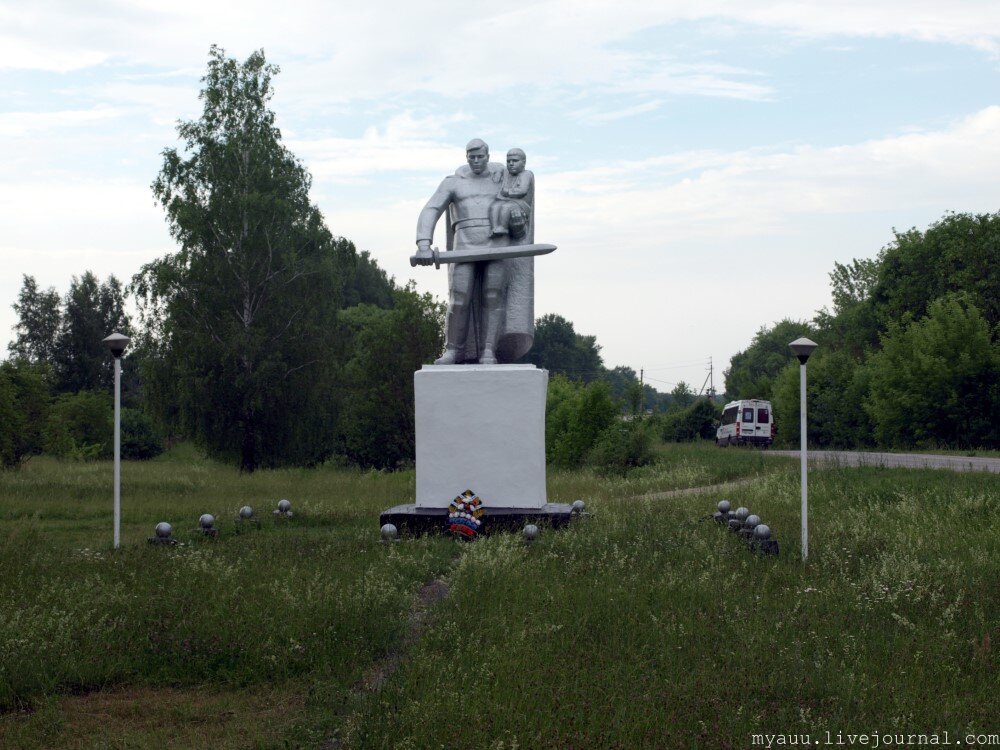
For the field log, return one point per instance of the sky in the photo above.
(700, 166)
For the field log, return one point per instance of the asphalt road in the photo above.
(893, 460)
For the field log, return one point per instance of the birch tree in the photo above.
(241, 320)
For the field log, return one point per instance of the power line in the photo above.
(679, 365)
(657, 380)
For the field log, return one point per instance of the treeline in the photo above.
(559, 349)
(909, 356)
(264, 338)
(607, 418)
(55, 388)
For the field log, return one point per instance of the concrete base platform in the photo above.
(480, 428)
(417, 520)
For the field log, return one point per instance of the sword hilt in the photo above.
(437, 258)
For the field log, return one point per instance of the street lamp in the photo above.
(116, 344)
(802, 348)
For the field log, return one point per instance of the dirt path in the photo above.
(429, 595)
(378, 674)
(724, 487)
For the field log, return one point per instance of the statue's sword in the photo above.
(475, 254)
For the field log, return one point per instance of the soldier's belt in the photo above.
(468, 223)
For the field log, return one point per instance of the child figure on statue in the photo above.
(515, 187)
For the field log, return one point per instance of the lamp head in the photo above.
(802, 348)
(117, 343)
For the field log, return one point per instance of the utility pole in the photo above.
(642, 392)
(708, 381)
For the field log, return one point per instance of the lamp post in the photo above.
(116, 344)
(802, 348)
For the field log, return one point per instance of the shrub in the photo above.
(936, 381)
(622, 446)
(141, 440)
(80, 426)
(576, 416)
(11, 424)
(696, 421)
(24, 406)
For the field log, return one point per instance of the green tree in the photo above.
(622, 446)
(11, 424)
(619, 379)
(699, 420)
(681, 397)
(559, 349)
(386, 346)
(853, 283)
(31, 401)
(141, 439)
(626, 387)
(857, 397)
(576, 415)
(751, 372)
(91, 310)
(960, 253)
(81, 426)
(39, 318)
(243, 318)
(634, 398)
(853, 326)
(837, 386)
(937, 381)
(362, 281)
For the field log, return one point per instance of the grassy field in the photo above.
(641, 626)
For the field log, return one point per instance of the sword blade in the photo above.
(471, 254)
(477, 254)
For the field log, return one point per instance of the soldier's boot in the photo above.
(448, 357)
(454, 335)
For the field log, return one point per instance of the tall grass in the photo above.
(644, 625)
(313, 595)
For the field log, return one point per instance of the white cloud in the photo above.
(34, 53)
(654, 231)
(345, 54)
(347, 51)
(161, 103)
(55, 229)
(761, 191)
(653, 239)
(88, 216)
(405, 144)
(604, 115)
(973, 22)
(19, 124)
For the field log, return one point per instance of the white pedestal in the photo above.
(481, 427)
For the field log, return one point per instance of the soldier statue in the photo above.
(490, 236)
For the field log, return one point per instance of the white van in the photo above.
(747, 422)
